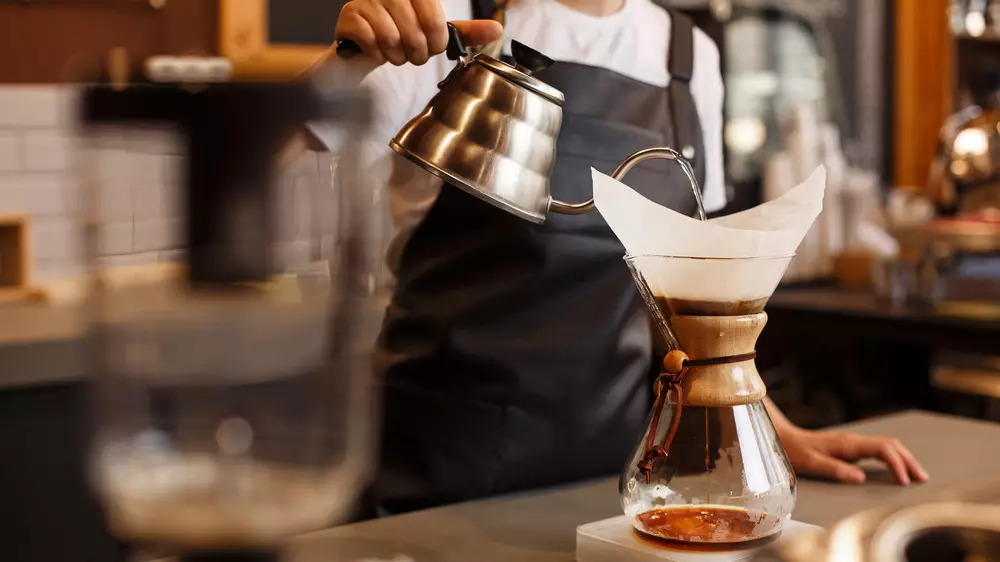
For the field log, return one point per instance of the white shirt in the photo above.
(633, 41)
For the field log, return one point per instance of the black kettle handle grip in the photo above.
(348, 49)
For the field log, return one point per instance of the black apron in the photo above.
(517, 355)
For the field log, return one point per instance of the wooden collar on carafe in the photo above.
(675, 365)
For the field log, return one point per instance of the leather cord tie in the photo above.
(675, 365)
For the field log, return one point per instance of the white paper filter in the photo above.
(773, 229)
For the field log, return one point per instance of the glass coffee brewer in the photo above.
(709, 467)
(233, 398)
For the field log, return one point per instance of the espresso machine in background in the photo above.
(232, 396)
(957, 253)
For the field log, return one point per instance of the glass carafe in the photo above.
(233, 383)
(709, 468)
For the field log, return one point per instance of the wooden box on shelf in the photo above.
(15, 258)
(853, 269)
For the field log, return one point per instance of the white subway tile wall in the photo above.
(27, 107)
(46, 151)
(139, 204)
(10, 150)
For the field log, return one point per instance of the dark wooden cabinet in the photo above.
(49, 41)
(276, 39)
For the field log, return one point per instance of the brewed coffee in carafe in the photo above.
(709, 467)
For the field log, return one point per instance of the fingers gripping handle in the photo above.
(347, 49)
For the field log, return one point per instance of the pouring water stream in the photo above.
(663, 152)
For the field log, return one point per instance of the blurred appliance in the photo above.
(954, 260)
(232, 391)
(978, 19)
(949, 260)
(958, 252)
(968, 158)
(970, 153)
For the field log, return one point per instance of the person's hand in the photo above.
(829, 454)
(401, 31)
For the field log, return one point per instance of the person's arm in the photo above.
(403, 32)
(295, 147)
(829, 454)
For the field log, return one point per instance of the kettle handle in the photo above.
(666, 152)
(347, 49)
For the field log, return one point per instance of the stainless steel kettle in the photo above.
(491, 131)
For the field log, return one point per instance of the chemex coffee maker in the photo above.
(709, 467)
(232, 376)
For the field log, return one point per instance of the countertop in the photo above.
(44, 343)
(960, 455)
(41, 344)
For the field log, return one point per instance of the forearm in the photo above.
(295, 147)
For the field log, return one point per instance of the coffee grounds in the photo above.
(710, 308)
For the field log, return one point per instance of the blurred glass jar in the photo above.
(233, 313)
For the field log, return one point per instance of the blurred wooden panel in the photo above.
(258, 49)
(51, 42)
(924, 86)
(303, 22)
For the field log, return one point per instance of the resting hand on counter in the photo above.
(830, 454)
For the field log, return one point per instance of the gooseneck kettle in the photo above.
(491, 131)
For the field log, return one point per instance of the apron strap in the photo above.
(483, 9)
(681, 60)
(490, 10)
(685, 126)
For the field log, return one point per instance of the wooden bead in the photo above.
(673, 362)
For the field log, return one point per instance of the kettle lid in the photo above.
(526, 62)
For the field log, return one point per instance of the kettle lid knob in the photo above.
(527, 59)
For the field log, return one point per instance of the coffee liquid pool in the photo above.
(715, 524)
